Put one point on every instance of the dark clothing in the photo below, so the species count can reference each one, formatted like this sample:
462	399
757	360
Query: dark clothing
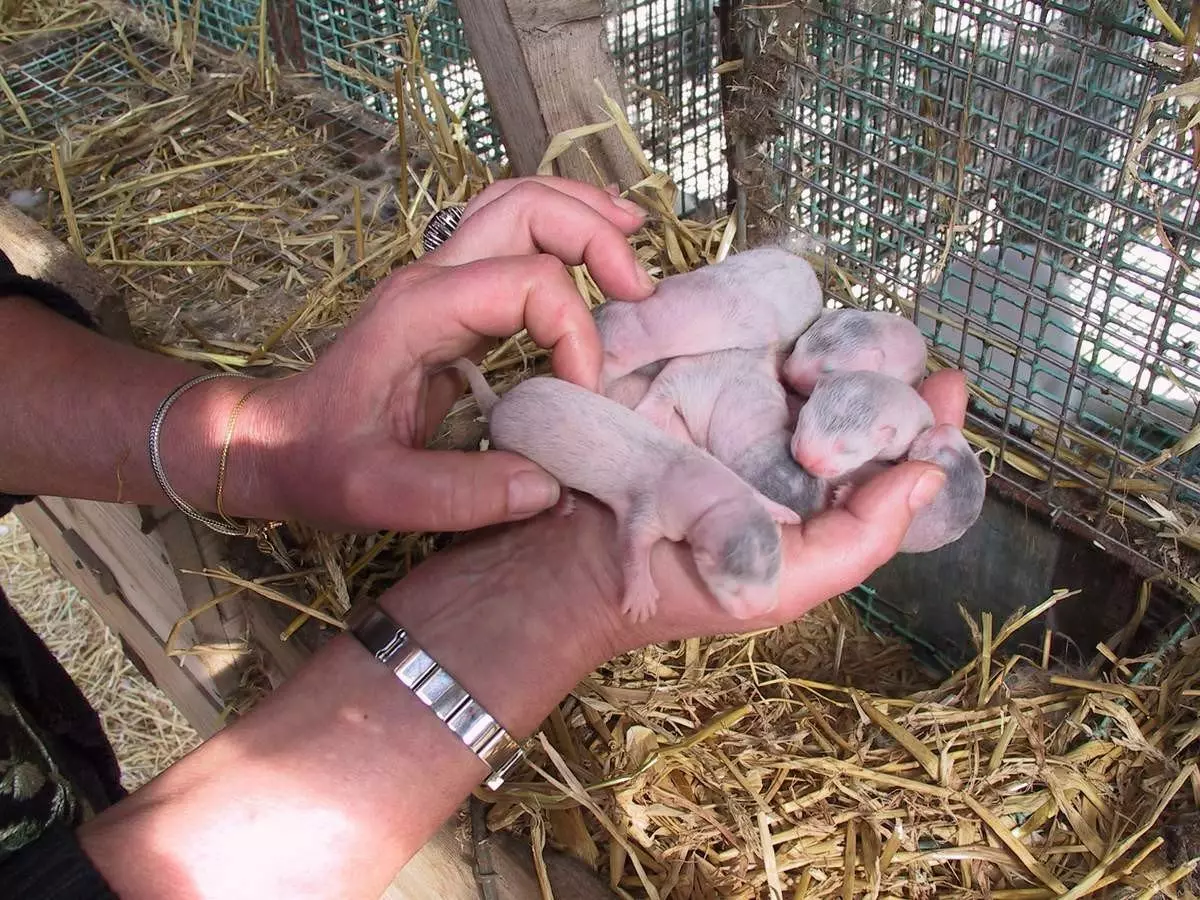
57	767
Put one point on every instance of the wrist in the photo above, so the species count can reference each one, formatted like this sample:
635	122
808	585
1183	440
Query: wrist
195	434
520	615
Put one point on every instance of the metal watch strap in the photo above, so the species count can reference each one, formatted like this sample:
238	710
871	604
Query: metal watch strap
389	643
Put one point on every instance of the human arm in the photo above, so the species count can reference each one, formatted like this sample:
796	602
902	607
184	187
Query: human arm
328	788
76	406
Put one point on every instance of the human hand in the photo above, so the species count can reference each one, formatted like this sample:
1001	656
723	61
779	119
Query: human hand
544	595
347	437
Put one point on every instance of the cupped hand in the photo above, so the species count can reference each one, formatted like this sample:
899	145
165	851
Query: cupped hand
348	436
556	583
553	585
824	557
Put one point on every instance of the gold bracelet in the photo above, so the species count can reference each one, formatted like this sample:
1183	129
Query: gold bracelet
223	465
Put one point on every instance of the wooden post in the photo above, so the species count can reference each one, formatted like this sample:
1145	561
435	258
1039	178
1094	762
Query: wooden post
540	62
286	38
35	252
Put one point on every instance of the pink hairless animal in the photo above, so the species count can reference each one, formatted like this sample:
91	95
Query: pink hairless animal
659	487
855	340
733	405
748	301
853	418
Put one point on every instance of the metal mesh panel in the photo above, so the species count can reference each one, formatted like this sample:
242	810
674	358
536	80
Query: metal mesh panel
228	278
90	71
365	36
668	51
964	161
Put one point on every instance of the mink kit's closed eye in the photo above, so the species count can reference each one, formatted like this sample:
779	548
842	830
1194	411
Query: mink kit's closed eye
853	418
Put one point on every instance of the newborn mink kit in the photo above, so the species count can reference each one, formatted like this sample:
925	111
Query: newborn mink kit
733	402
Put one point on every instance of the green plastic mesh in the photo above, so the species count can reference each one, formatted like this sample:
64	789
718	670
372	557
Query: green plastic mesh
232	24
886	619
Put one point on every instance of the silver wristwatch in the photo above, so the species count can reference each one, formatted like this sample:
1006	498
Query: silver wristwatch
389	643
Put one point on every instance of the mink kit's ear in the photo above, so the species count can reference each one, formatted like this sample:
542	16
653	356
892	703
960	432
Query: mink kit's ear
876	356
887	433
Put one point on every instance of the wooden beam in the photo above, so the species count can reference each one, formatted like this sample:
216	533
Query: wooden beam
91	577
286	37
35	252
540	62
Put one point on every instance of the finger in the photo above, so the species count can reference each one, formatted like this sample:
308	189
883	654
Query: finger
450	490
625	214
840	548
534	218
946	394
497	298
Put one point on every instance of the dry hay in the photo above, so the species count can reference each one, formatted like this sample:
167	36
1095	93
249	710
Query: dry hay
24	18
227	211
722	769
147	732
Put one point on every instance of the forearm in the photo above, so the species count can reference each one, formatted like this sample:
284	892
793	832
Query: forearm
330	786
76	409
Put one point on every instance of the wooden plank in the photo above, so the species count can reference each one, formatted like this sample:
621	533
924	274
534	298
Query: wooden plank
146	578
539	63
443	871
35	252
286	38
98	586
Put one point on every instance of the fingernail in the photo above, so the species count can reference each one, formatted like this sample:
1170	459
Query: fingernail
614	189
629	206
531	492
644	279
926	489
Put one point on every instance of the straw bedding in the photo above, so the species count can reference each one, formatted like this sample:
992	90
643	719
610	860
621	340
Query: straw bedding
813	760
146	730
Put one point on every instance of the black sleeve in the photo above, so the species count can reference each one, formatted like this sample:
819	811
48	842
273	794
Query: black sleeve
54	867
13	284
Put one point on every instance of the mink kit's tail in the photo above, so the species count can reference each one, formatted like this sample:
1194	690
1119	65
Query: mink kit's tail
484	395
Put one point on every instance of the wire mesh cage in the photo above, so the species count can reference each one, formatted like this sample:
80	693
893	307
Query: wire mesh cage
667	51
248	201
1007	173
986	169
354	49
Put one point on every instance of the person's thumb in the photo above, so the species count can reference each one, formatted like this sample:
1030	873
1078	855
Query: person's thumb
450	490
885	505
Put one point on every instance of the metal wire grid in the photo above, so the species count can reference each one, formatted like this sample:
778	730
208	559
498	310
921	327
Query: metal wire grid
1007	125
668	50
89	70
366	36
282	226
232	24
